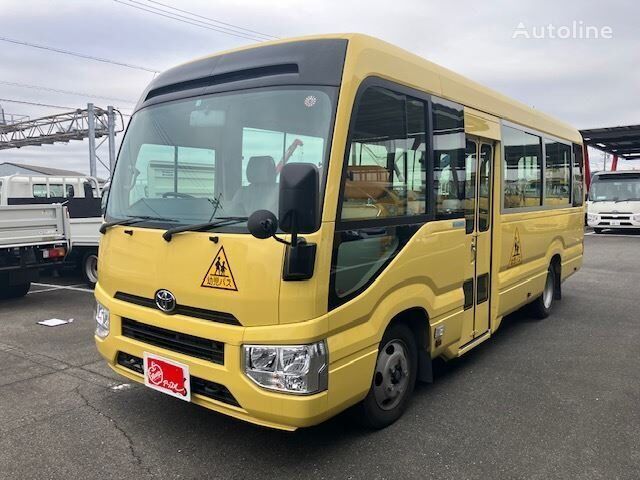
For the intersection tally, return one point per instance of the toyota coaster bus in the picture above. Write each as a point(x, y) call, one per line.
point(614, 201)
point(333, 213)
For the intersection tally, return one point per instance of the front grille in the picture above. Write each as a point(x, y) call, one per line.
point(212, 315)
point(203, 387)
point(177, 342)
point(615, 217)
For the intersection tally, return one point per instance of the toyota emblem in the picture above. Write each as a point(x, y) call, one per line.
point(165, 300)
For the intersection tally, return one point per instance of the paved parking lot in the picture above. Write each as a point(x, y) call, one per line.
point(552, 399)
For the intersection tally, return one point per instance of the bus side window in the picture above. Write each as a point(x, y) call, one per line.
point(578, 176)
point(449, 159)
point(386, 171)
point(385, 188)
point(522, 164)
point(557, 173)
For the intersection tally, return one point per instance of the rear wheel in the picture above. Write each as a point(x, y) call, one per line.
point(89, 268)
point(393, 380)
point(541, 307)
point(598, 230)
point(15, 291)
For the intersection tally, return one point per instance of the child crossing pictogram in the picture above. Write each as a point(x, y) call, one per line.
point(219, 274)
point(516, 252)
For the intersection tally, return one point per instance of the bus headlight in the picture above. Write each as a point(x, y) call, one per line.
point(301, 369)
point(102, 321)
point(591, 217)
point(636, 217)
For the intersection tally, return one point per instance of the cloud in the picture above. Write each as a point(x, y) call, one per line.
point(588, 83)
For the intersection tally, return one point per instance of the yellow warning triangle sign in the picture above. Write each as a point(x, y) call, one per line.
point(516, 252)
point(219, 274)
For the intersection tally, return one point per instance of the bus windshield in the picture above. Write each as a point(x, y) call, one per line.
point(618, 188)
point(202, 158)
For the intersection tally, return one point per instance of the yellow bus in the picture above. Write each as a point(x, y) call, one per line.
point(364, 212)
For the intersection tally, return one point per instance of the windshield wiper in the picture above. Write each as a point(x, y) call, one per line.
point(627, 200)
point(132, 220)
point(201, 227)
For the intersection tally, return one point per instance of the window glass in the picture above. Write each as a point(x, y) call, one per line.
point(39, 190)
point(56, 190)
point(169, 171)
point(283, 147)
point(361, 254)
point(197, 159)
point(484, 187)
point(578, 176)
point(470, 185)
point(386, 170)
point(615, 188)
point(522, 169)
point(70, 191)
point(449, 163)
point(88, 189)
point(557, 173)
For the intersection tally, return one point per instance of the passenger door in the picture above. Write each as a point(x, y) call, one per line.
point(478, 187)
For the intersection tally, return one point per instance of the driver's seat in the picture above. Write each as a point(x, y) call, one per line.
point(262, 191)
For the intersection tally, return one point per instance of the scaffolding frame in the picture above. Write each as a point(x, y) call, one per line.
point(91, 122)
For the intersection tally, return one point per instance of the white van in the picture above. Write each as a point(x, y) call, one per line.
point(614, 201)
point(80, 194)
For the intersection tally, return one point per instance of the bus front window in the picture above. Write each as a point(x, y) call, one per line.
point(619, 189)
point(219, 155)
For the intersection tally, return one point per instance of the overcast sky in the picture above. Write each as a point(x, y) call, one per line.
point(586, 82)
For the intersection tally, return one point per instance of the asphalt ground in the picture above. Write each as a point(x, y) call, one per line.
point(557, 398)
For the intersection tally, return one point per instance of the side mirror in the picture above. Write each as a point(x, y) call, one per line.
point(298, 205)
point(262, 224)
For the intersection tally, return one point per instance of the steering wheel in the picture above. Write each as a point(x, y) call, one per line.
point(177, 195)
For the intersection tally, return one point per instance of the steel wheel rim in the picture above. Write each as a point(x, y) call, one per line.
point(91, 268)
point(391, 378)
point(547, 295)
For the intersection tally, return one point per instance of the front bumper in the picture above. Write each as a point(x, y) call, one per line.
point(252, 403)
point(606, 220)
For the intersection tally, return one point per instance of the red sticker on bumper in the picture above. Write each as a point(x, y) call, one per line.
point(167, 376)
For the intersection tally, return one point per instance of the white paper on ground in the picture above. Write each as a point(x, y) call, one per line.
point(53, 322)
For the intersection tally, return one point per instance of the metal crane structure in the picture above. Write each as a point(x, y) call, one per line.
point(91, 122)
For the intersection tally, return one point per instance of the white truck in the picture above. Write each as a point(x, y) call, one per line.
point(80, 194)
point(32, 237)
point(614, 201)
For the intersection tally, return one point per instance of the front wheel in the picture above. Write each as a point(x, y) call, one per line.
point(393, 379)
point(598, 230)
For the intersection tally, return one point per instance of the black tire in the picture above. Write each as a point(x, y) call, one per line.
point(542, 306)
point(89, 267)
point(374, 412)
point(598, 230)
point(15, 291)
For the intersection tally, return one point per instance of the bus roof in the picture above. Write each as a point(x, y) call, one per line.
point(367, 56)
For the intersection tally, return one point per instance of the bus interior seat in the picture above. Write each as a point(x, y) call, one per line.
point(262, 191)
